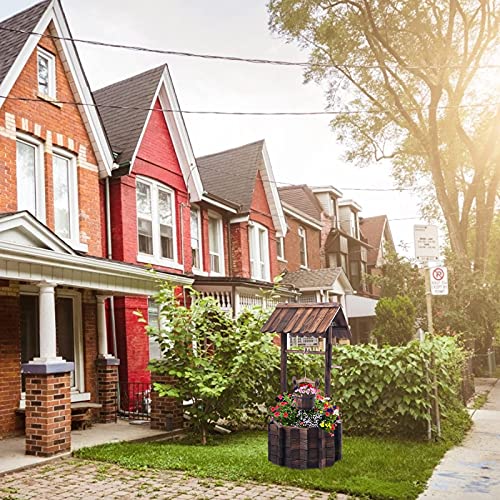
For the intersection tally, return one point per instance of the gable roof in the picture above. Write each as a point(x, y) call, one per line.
point(373, 229)
point(302, 198)
point(126, 127)
point(231, 175)
point(316, 279)
point(22, 228)
point(12, 42)
point(16, 48)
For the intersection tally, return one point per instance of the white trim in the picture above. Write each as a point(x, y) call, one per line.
point(237, 220)
point(302, 219)
point(257, 259)
point(165, 92)
point(78, 81)
point(77, 335)
point(303, 237)
point(156, 258)
point(272, 195)
point(220, 226)
point(18, 262)
point(218, 204)
point(199, 237)
point(350, 203)
point(327, 189)
point(280, 240)
point(51, 68)
point(26, 222)
point(39, 174)
point(74, 206)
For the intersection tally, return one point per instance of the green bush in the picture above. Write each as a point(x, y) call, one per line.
point(386, 390)
point(395, 320)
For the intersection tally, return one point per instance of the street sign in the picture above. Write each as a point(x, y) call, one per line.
point(439, 280)
point(426, 243)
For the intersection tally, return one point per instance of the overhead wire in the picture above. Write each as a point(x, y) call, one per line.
point(252, 60)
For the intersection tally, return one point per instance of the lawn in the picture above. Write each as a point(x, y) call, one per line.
point(372, 467)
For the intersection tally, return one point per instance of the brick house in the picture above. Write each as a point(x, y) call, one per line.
point(55, 276)
point(308, 224)
point(246, 237)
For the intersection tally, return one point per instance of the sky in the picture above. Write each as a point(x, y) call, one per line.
point(302, 149)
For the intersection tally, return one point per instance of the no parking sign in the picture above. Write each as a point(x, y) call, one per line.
point(439, 280)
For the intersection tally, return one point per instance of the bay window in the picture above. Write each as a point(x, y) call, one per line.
point(216, 245)
point(155, 222)
point(259, 252)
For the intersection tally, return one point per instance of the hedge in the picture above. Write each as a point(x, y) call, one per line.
point(386, 390)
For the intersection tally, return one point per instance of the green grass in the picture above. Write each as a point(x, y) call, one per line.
point(479, 401)
point(372, 467)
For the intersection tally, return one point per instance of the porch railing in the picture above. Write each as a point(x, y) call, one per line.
point(135, 400)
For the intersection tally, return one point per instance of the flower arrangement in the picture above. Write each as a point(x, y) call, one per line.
point(323, 415)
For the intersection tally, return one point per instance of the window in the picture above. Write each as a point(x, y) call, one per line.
point(259, 252)
point(343, 261)
point(303, 247)
point(196, 238)
point(65, 197)
point(280, 243)
point(354, 226)
point(155, 221)
point(46, 73)
point(153, 321)
point(355, 278)
point(30, 178)
point(215, 245)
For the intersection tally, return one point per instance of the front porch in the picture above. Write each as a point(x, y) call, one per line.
point(13, 456)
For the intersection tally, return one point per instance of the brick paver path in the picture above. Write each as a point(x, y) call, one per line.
point(74, 478)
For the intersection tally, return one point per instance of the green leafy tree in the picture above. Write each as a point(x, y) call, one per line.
point(394, 321)
point(400, 276)
point(219, 363)
point(419, 77)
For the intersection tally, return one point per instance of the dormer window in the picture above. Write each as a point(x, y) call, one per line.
point(46, 73)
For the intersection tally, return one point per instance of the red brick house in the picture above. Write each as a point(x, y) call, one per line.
point(55, 276)
point(245, 237)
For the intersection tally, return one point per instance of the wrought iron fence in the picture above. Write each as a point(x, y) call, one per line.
point(135, 400)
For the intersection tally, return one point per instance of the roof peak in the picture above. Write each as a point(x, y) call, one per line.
point(232, 149)
point(137, 75)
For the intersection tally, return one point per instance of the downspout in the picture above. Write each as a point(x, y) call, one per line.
point(110, 256)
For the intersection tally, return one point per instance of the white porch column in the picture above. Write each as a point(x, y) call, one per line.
point(47, 315)
point(102, 330)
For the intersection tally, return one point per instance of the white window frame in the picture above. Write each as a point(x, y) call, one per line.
point(258, 258)
point(220, 225)
point(51, 60)
point(303, 237)
point(199, 237)
point(78, 390)
point(280, 245)
point(157, 258)
point(74, 205)
point(39, 175)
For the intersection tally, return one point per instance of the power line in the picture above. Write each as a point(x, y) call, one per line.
point(235, 113)
point(252, 60)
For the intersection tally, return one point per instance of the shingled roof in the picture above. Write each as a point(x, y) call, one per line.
point(231, 174)
point(12, 42)
point(303, 199)
point(313, 278)
point(124, 126)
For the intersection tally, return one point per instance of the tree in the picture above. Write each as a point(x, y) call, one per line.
point(394, 321)
point(402, 277)
point(217, 362)
point(418, 75)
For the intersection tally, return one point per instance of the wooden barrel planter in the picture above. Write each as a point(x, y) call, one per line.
point(303, 448)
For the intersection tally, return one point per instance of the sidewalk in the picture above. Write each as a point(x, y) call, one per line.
point(472, 470)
